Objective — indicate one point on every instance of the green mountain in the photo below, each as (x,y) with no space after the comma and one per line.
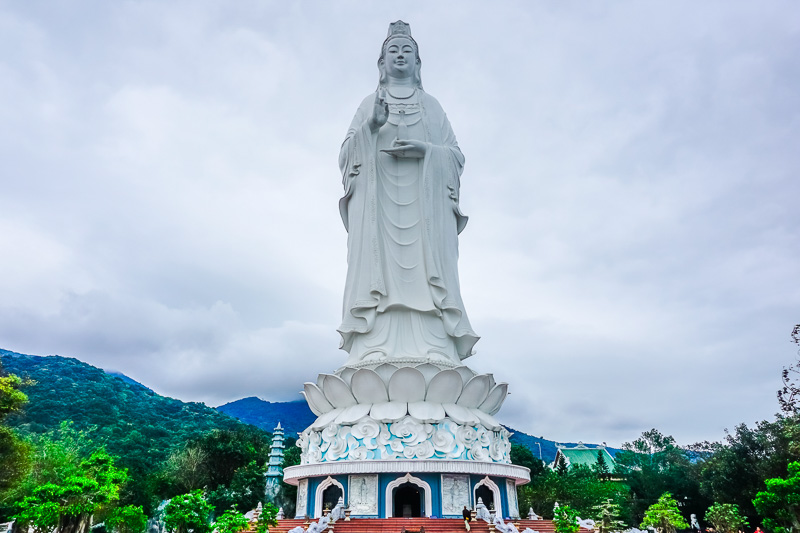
(134,423)
(293,416)
(143,427)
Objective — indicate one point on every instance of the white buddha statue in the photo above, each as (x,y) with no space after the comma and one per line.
(401,168)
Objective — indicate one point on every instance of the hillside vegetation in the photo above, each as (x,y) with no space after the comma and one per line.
(133,422)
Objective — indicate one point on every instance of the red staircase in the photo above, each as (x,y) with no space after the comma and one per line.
(396,525)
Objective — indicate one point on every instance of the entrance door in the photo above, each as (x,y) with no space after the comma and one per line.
(330,497)
(407,500)
(486,494)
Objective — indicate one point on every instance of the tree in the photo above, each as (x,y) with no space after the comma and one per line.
(738,467)
(243,493)
(789,394)
(231,521)
(11,397)
(90,487)
(188,469)
(780,503)
(14,453)
(664,515)
(565,519)
(127,519)
(267,519)
(523,456)
(188,513)
(654,464)
(561,467)
(601,467)
(726,517)
(606,517)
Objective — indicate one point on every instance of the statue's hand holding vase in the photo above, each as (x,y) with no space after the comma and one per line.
(407,149)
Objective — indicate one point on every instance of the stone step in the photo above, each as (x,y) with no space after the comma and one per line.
(396,525)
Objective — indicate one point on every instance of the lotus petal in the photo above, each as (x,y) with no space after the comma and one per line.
(459,414)
(428,370)
(445,387)
(368,387)
(337,392)
(316,399)
(310,404)
(407,385)
(353,414)
(347,374)
(426,411)
(385,371)
(487,420)
(466,373)
(495,399)
(325,419)
(389,411)
(492,382)
(474,393)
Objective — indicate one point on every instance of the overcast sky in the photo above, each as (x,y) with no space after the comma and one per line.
(170,186)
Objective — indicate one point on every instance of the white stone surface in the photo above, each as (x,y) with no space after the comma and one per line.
(409,438)
(422,391)
(363,494)
(319,527)
(482,512)
(455,494)
(511,495)
(295,474)
(302,497)
(401,169)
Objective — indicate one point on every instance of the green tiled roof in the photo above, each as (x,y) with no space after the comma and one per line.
(581,455)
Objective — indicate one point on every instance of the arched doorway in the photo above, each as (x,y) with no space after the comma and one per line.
(407,500)
(324,497)
(330,496)
(486,494)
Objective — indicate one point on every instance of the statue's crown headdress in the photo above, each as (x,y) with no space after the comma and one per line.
(399,28)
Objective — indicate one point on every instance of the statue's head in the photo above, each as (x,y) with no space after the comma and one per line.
(399,55)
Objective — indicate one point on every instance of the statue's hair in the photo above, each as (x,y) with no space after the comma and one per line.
(382,64)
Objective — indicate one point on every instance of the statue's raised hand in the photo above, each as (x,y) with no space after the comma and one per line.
(407,149)
(380,111)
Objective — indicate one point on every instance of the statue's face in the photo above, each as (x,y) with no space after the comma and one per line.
(399,58)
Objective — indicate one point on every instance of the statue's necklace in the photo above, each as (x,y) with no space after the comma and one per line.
(402,97)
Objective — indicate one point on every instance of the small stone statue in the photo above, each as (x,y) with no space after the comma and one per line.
(319,527)
(338,511)
(280,515)
(481,512)
(532,515)
(502,527)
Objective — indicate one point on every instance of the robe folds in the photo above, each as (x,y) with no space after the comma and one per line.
(381,252)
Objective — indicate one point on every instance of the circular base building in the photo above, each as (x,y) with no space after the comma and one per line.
(405,439)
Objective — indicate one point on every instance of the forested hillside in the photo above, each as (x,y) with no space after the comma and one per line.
(132,421)
(167,447)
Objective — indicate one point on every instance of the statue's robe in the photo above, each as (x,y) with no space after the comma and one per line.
(402,296)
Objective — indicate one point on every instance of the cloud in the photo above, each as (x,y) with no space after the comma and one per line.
(170,193)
